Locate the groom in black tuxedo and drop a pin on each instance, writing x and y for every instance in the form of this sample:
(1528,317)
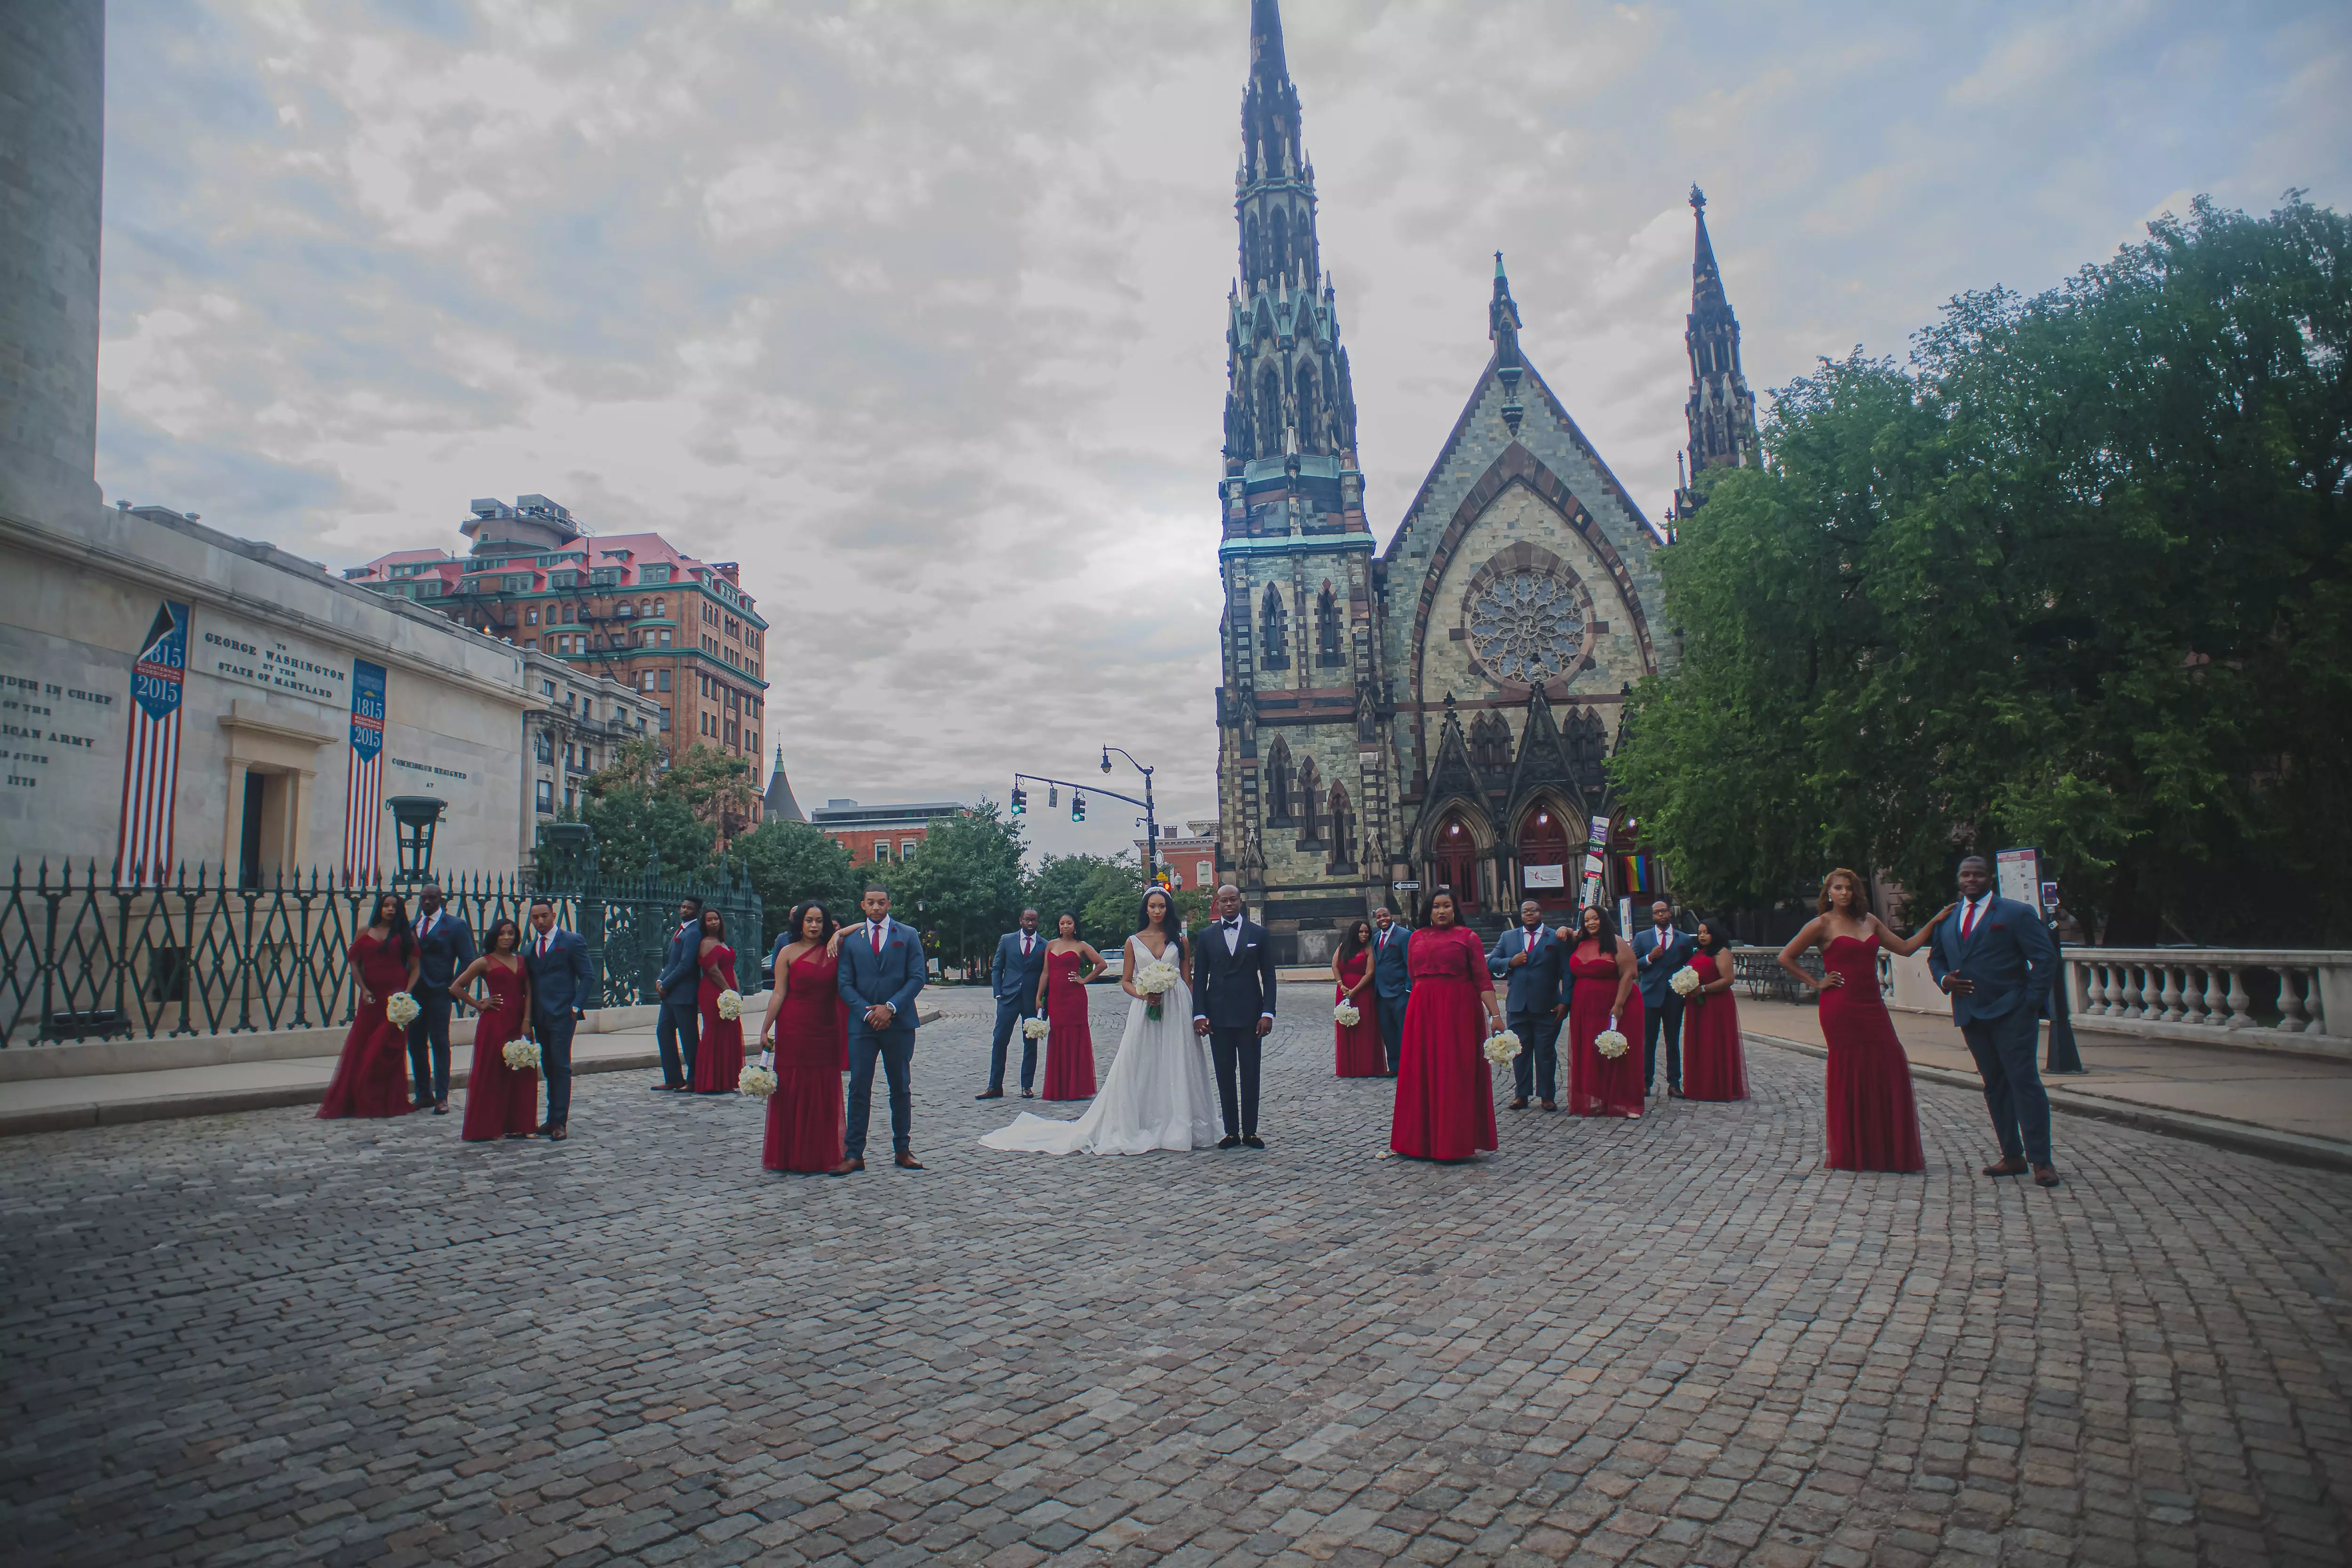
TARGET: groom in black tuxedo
(1233,1004)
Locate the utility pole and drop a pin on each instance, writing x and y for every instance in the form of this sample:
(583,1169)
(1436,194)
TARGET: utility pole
(1150,822)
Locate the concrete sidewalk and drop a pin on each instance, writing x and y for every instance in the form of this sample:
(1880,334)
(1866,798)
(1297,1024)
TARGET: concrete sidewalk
(2286,1105)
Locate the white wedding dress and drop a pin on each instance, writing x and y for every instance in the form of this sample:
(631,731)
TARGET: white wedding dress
(1160,1095)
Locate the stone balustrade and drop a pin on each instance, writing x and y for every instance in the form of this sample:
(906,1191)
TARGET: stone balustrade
(2207,994)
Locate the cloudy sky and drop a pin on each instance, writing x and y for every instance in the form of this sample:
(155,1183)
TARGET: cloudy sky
(915,307)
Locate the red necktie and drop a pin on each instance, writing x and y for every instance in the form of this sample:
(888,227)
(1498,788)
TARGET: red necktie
(877,942)
(1969,920)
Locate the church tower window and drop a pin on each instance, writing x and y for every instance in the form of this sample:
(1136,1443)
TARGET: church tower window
(1326,628)
(1274,631)
(1277,783)
(1309,818)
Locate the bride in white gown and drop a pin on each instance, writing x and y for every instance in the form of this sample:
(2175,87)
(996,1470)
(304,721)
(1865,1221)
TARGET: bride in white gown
(1161,1093)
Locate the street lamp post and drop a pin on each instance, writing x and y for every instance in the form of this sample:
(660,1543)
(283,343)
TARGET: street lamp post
(1150,822)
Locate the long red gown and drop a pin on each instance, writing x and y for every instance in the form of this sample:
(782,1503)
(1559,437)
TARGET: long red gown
(1358,1049)
(1599,1085)
(1445,1094)
(718,1061)
(1874,1123)
(805,1114)
(500,1101)
(1069,1044)
(371,1073)
(1715,1066)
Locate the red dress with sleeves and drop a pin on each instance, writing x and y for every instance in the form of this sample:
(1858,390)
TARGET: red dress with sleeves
(371,1073)
(1445,1094)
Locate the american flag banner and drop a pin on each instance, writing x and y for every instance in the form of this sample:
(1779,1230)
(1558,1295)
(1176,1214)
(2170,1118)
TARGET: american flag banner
(150,769)
(363,801)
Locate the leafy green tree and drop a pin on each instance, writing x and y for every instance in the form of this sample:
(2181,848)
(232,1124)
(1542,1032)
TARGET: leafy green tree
(640,810)
(789,862)
(963,882)
(1079,884)
(2079,576)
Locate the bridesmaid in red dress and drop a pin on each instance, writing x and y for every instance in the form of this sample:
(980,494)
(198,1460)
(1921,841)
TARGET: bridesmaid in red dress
(719,1062)
(1874,1123)
(1714,1065)
(371,1073)
(1358,1048)
(1603,997)
(1444,1093)
(500,1101)
(1062,998)
(810,1026)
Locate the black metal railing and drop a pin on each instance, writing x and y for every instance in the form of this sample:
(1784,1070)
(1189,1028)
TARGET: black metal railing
(83,959)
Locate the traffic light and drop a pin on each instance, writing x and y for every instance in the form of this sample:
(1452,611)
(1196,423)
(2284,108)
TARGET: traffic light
(1053,795)
(1020,801)
(1077,806)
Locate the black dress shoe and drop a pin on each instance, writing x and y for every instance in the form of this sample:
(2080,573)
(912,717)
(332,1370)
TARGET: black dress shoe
(1252,1141)
(1229,1141)
(989,1094)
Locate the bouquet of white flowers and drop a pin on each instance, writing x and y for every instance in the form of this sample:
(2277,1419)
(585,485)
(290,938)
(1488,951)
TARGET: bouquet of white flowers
(520,1055)
(1501,1048)
(730,1005)
(402,1009)
(1033,1029)
(757,1081)
(1610,1044)
(1685,980)
(1155,979)
(1346,1016)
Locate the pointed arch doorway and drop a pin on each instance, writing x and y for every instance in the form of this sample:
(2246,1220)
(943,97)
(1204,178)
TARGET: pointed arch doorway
(1454,857)
(1544,870)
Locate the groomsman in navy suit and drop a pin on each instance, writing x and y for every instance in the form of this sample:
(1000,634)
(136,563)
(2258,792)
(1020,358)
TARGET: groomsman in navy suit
(1014,978)
(678,1027)
(445,946)
(1391,981)
(1995,960)
(1233,1004)
(563,983)
(1657,954)
(1535,960)
(882,969)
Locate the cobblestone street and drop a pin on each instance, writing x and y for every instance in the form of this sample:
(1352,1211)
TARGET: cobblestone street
(263,1338)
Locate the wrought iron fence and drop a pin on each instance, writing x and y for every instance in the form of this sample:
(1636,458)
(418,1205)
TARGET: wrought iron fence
(84,959)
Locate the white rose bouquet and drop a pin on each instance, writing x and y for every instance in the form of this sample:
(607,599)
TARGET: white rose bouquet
(1501,1048)
(1685,980)
(520,1055)
(1033,1029)
(757,1081)
(1610,1044)
(1155,979)
(1346,1016)
(730,1005)
(402,1009)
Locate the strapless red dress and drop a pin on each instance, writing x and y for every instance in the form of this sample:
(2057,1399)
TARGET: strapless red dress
(805,1114)
(1874,1123)
(499,1100)
(719,1059)
(1069,1043)
(1360,1050)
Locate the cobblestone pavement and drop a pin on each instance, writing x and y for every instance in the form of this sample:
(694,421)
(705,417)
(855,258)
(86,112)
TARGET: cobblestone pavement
(264,1338)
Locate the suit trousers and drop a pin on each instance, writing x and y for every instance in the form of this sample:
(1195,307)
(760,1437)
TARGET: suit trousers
(677,1033)
(896,1051)
(428,1045)
(1236,1052)
(554,1032)
(1536,1067)
(1392,1027)
(1666,1017)
(1009,1015)
(2003,1048)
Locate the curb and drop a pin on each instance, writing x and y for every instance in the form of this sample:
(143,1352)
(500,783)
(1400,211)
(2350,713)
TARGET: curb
(2244,1137)
(170,1108)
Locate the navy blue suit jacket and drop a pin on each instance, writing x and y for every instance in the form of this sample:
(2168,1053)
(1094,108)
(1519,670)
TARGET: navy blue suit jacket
(444,954)
(1013,978)
(868,979)
(1541,983)
(681,970)
(1656,977)
(1391,971)
(1232,990)
(2009,956)
(565,979)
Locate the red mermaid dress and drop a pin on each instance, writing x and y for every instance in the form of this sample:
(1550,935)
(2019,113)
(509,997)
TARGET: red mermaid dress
(1714,1065)
(1069,1043)
(372,1072)
(805,1114)
(1358,1047)
(500,1101)
(1874,1123)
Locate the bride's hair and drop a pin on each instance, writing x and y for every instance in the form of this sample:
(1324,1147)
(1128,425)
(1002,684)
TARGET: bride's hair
(1173,927)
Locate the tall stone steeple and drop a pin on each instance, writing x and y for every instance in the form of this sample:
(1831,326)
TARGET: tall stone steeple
(1721,412)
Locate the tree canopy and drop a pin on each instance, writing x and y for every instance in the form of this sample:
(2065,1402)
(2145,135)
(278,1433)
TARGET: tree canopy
(963,882)
(789,862)
(2078,577)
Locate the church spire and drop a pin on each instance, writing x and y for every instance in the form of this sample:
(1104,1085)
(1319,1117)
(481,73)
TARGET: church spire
(1721,412)
(1503,329)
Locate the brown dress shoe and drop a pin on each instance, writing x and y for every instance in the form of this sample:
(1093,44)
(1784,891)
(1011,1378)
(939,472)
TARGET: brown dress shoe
(846,1167)
(1520,1103)
(906,1161)
(2006,1168)
(2045,1175)
(1549,1105)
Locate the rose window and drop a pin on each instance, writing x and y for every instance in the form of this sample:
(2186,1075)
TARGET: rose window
(1527,626)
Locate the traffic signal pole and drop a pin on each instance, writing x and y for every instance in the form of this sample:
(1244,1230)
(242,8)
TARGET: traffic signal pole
(1150,822)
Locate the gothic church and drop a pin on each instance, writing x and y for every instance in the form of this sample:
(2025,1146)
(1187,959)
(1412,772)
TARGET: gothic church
(1437,714)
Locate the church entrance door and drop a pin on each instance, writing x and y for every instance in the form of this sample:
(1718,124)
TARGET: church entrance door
(1543,859)
(1454,854)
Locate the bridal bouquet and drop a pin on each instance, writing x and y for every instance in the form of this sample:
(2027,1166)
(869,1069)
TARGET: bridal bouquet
(1501,1048)
(1610,1044)
(1033,1029)
(730,1005)
(1685,980)
(520,1055)
(402,1009)
(1346,1016)
(1155,979)
(757,1081)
